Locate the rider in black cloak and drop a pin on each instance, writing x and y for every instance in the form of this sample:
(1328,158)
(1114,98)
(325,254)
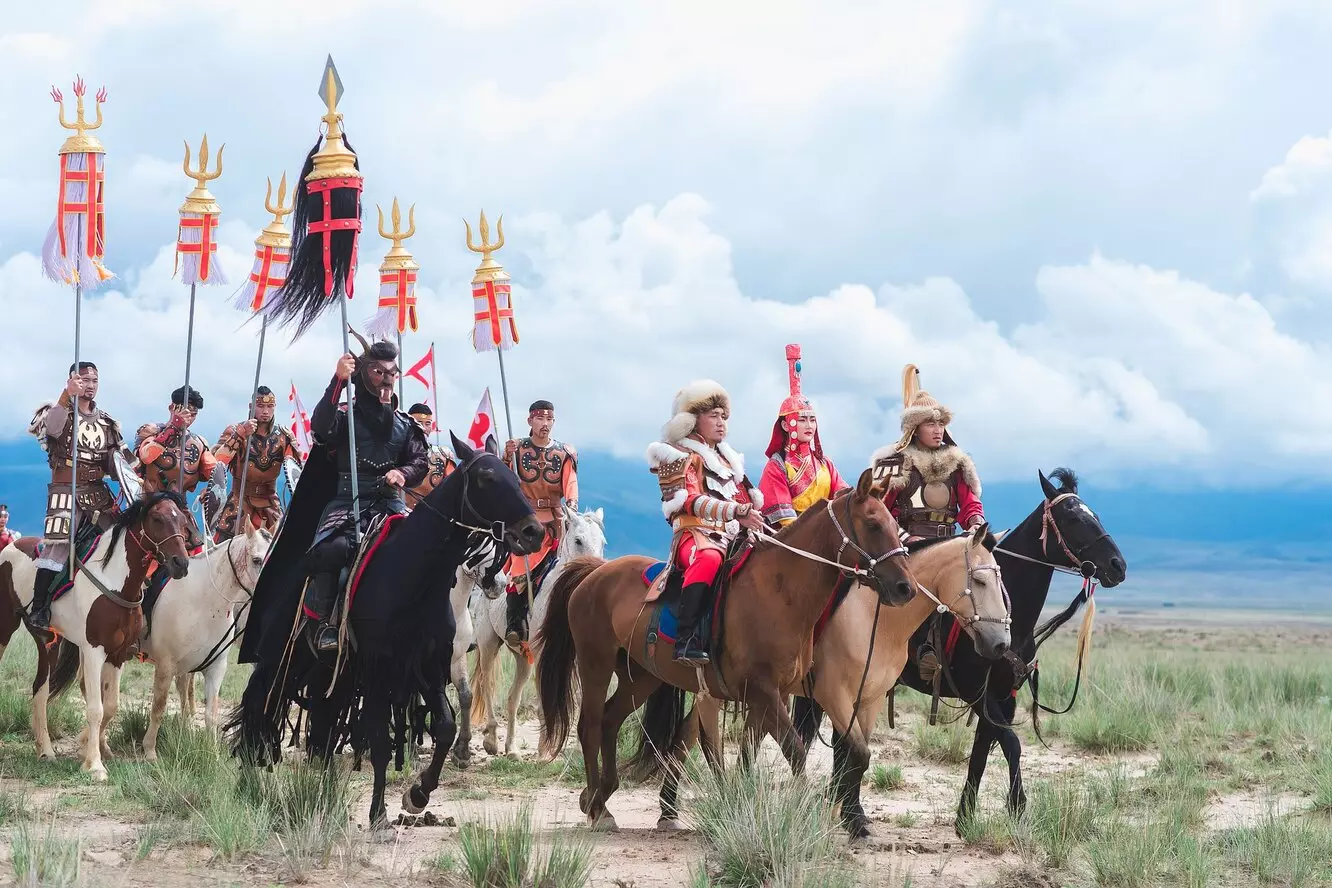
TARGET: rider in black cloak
(317,539)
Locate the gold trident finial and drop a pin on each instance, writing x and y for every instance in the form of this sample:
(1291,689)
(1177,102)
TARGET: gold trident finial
(275,233)
(80,142)
(199,200)
(489,269)
(397,256)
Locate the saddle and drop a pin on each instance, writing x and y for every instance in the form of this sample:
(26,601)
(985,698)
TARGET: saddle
(379,529)
(537,576)
(85,540)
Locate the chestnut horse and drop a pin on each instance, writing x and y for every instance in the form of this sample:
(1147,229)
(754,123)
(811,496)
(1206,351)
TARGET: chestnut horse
(102,612)
(597,614)
(858,657)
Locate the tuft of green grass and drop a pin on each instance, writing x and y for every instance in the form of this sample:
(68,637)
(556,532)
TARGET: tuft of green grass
(128,730)
(13,807)
(1280,851)
(762,830)
(190,767)
(1062,814)
(46,859)
(946,744)
(503,853)
(885,778)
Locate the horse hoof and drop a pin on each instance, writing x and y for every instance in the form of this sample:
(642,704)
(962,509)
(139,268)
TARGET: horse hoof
(670,824)
(414,801)
(584,800)
(605,823)
(462,762)
(858,827)
(150,755)
(98,773)
(382,834)
(490,746)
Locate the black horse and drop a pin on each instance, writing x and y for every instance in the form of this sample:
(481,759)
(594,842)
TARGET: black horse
(400,625)
(1063,533)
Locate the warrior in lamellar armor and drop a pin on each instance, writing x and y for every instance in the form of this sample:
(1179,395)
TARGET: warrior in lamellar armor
(266,445)
(705,497)
(930,485)
(101,454)
(160,451)
(547,472)
(390,458)
(797,474)
(441,460)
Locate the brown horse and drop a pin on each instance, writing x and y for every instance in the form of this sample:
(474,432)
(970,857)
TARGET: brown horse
(598,615)
(858,657)
(101,613)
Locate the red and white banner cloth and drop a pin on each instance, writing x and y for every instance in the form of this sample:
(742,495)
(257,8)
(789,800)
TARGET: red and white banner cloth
(483,425)
(300,424)
(493,313)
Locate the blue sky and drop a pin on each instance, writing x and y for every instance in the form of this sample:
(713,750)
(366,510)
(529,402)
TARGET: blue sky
(1105,234)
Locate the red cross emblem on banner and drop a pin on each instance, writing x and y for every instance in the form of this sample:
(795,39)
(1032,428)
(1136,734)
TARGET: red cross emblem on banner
(206,246)
(263,279)
(492,310)
(91,205)
(401,299)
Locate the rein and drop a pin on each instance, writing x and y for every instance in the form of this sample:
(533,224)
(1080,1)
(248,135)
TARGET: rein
(496,529)
(847,570)
(228,639)
(138,539)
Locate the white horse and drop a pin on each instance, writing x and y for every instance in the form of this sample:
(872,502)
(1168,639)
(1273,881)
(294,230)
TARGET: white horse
(581,535)
(104,626)
(194,622)
(477,573)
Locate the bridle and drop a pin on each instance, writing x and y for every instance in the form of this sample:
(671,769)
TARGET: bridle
(851,571)
(495,530)
(969,594)
(1078,565)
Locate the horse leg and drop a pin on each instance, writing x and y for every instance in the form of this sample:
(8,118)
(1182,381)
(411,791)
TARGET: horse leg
(212,692)
(185,690)
(162,679)
(596,680)
(375,716)
(110,705)
(631,692)
(851,759)
(483,692)
(521,673)
(41,693)
(462,749)
(94,657)
(1011,745)
(774,720)
(986,737)
(415,799)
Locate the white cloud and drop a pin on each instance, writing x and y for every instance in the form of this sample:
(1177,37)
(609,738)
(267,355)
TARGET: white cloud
(1127,372)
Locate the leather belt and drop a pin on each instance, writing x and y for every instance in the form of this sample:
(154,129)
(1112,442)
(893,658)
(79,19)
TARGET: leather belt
(89,473)
(930,530)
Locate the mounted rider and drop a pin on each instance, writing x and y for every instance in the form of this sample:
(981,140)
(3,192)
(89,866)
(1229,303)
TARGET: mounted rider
(705,497)
(441,460)
(160,449)
(7,534)
(930,485)
(101,455)
(547,472)
(390,457)
(797,474)
(267,445)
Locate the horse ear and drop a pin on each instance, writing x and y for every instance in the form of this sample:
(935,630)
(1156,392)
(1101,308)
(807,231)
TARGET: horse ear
(1046,486)
(600,515)
(865,485)
(492,445)
(979,533)
(460,449)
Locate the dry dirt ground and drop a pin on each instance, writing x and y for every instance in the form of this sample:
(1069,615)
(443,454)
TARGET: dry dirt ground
(913,830)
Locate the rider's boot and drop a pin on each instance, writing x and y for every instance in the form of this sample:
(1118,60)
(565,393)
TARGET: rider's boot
(40,612)
(688,649)
(514,615)
(319,598)
(927,662)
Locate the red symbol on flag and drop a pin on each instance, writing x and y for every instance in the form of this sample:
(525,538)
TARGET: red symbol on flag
(482,429)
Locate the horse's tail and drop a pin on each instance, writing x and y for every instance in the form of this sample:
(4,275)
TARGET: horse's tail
(66,667)
(807,716)
(665,721)
(555,667)
(483,679)
(253,734)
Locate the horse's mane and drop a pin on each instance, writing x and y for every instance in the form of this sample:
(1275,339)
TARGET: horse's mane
(989,542)
(1066,478)
(135,513)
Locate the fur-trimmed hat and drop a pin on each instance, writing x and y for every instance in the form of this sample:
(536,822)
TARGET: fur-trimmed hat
(919,406)
(699,396)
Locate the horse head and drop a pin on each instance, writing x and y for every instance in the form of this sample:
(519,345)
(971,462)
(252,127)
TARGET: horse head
(159,526)
(873,538)
(1072,532)
(491,499)
(971,587)
(254,552)
(581,535)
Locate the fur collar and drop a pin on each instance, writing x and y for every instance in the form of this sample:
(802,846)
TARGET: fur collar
(933,465)
(723,462)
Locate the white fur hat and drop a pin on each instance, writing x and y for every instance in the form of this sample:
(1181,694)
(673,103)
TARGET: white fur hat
(699,396)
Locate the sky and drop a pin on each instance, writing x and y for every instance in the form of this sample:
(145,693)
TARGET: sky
(1102,233)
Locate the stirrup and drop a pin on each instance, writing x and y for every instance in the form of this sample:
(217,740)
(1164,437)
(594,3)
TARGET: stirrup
(928,666)
(40,618)
(513,640)
(326,637)
(687,653)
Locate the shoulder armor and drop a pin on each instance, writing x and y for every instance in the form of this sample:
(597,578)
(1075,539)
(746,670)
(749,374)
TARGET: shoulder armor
(37,427)
(887,467)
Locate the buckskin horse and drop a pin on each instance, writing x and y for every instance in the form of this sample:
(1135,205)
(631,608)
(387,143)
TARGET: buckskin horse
(860,649)
(400,629)
(100,612)
(598,615)
(1061,534)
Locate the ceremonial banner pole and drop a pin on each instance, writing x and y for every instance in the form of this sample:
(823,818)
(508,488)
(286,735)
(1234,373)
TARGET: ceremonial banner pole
(494,328)
(434,392)
(397,285)
(272,255)
(326,225)
(196,248)
(74,248)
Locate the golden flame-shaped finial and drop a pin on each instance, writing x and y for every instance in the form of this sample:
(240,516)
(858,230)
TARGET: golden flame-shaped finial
(200,200)
(80,142)
(397,256)
(489,269)
(276,233)
(333,159)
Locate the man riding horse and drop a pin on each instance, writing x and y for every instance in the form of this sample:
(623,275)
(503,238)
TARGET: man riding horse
(266,446)
(101,454)
(547,472)
(930,485)
(160,450)
(7,534)
(705,497)
(390,457)
(441,459)
(797,474)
